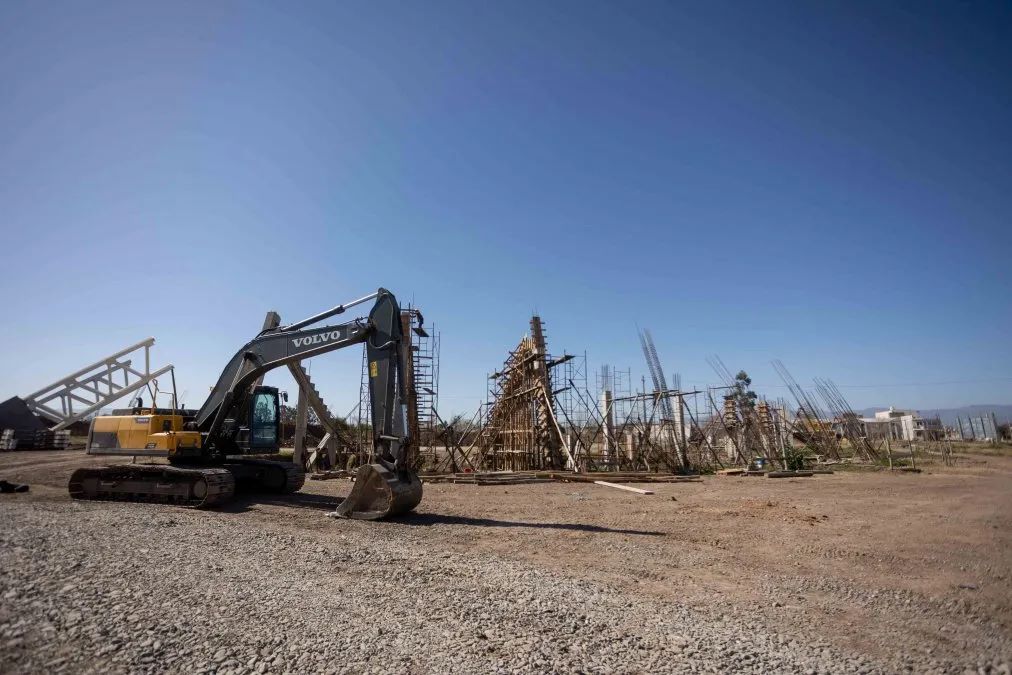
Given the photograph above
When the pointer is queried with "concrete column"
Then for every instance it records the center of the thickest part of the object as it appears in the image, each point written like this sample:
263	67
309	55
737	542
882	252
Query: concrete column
332	452
607	410
301	420
680	421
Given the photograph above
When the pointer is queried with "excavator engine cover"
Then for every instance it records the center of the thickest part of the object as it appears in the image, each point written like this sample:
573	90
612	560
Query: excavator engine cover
379	493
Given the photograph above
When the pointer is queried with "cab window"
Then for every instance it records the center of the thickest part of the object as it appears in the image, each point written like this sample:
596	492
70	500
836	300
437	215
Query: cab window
264	428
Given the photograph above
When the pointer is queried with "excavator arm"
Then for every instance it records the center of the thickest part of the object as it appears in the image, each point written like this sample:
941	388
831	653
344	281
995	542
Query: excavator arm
385	486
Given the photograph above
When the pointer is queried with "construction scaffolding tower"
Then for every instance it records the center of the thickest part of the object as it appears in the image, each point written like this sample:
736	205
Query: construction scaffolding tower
363	423
569	376
521	430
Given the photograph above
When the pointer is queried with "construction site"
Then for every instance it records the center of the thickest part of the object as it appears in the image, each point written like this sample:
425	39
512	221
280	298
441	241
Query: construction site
505	338
628	525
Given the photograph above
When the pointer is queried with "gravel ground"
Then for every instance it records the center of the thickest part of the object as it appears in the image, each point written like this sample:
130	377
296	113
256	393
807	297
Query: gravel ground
96	587
278	587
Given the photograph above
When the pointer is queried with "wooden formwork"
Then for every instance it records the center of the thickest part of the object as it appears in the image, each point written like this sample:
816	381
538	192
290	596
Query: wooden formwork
521	432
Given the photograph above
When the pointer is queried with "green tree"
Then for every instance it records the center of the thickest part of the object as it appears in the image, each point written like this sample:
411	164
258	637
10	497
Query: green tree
742	392
288	415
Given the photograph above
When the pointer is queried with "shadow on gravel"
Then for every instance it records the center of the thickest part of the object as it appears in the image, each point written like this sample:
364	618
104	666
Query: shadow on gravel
423	519
299	500
241	503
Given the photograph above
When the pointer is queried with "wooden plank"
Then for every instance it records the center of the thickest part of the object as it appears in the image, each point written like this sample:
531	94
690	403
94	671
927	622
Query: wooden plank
623	487
330	475
626	478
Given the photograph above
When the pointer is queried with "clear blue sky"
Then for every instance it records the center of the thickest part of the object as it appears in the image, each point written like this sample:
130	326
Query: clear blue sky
826	183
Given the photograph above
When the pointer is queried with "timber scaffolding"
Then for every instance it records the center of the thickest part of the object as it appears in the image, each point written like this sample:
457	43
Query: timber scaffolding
521	430
824	433
540	418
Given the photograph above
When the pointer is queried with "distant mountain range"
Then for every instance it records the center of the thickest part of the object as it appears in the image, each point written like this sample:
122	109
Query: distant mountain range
1003	413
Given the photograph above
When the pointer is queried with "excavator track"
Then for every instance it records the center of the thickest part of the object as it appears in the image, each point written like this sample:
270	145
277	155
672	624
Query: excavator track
265	475
197	487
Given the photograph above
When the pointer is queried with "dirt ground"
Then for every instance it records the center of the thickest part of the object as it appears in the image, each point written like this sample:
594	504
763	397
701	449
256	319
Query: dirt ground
900	567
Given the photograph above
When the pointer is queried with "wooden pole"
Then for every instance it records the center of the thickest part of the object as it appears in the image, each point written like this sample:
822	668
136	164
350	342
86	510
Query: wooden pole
638	491
889	449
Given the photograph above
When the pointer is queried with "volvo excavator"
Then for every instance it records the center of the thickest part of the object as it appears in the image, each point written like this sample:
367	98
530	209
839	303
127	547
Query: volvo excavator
208	450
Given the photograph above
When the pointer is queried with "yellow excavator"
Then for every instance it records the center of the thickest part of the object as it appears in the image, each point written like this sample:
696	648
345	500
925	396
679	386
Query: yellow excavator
208	450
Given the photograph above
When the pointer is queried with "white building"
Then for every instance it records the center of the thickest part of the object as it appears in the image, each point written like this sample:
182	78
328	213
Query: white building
909	425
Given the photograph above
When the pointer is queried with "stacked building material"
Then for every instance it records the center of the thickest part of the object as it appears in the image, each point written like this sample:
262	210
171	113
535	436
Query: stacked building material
10	439
51	440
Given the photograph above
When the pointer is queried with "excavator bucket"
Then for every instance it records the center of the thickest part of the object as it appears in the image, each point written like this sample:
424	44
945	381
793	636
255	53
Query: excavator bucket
379	493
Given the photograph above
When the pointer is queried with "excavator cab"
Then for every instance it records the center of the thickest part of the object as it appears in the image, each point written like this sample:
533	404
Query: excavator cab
265	420
259	430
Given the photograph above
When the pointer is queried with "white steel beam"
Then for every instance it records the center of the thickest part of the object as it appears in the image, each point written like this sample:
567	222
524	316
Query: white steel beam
94	390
